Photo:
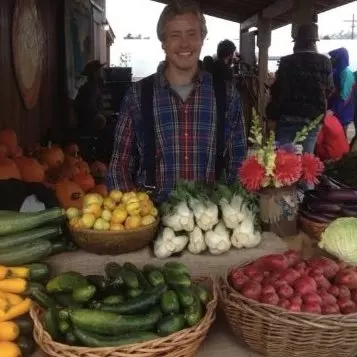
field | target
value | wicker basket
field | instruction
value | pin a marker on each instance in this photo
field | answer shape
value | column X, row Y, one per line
column 112, row 242
column 311, row 228
column 276, row 332
column 181, row 344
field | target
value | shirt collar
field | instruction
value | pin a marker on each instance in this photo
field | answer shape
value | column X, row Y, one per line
column 198, row 79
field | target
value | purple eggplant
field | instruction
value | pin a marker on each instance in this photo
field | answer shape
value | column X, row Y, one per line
column 349, row 213
column 339, row 196
column 323, row 206
column 315, row 217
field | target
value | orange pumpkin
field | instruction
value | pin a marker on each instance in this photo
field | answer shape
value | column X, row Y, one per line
column 52, row 156
column 8, row 138
column 83, row 166
column 85, row 181
column 3, row 150
column 30, row 169
column 69, row 194
column 99, row 169
column 68, row 170
column 72, row 150
column 101, row 189
column 8, row 169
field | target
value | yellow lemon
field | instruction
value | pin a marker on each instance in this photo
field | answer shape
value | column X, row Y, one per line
column 133, row 222
column 107, row 215
column 133, row 208
column 100, row 224
column 92, row 198
column 87, row 220
column 142, row 196
column 120, row 206
column 75, row 223
column 116, row 195
column 145, row 207
column 154, row 212
column 72, row 212
column 93, row 208
column 127, row 196
column 147, row 220
column 117, row 227
column 109, row 203
column 119, row 215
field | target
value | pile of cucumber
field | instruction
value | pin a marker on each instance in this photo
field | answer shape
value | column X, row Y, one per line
column 28, row 237
column 126, row 305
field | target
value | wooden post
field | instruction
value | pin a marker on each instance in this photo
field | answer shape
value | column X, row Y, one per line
column 264, row 42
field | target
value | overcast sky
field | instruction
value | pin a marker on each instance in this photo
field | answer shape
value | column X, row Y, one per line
column 140, row 16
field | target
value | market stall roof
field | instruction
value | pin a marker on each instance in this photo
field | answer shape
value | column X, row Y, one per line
column 242, row 10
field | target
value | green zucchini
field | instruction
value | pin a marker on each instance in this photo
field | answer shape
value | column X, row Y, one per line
column 89, row 339
column 32, row 287
column 142, row 281
column 59, row 246
column 170, row 324
column 25, row 324
column 25, row 253
column 177, row 267
column 42, row 299
column 15, row 222
column 137, row 305
column 84, row 293
column 66, row 282
column 16, row 239
column 39, row 271
column 108, row 323
column 113, row 300
column 51, row 324
column 170, row 303
column 27, row 345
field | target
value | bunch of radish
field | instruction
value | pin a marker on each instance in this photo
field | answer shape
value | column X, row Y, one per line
column 317, row 285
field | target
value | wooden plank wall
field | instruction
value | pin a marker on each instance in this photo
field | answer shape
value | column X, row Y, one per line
column 50, row 110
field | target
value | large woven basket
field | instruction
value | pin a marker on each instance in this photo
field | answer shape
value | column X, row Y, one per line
column 311, row 228
column 113, row 242
column 181, row 344
column 275, row 332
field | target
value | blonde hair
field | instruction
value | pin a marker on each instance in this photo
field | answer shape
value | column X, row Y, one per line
column 180, row 7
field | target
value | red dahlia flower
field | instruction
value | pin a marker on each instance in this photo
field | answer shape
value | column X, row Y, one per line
column 252, row 174
column 287, row 168
column 312, row 168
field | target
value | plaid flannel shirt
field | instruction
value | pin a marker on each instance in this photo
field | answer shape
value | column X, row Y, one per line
column 185, row 136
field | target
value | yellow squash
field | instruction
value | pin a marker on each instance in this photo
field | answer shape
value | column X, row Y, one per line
column 13, row 285
column 10, row 349
column 4, row 272
column 19, row 272
column 9, row 331
column 16, row 311
column 13, row 299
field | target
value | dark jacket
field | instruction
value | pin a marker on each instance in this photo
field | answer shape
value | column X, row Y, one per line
column 302, row 85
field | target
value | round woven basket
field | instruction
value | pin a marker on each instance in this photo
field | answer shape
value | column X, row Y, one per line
column 311, row 228
column 113, row 242
column 275, row 332
column 181, row 344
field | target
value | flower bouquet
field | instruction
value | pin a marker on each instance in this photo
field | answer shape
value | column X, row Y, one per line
column 274, row 171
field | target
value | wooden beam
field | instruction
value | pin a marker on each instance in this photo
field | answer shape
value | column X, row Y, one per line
column 251, row 22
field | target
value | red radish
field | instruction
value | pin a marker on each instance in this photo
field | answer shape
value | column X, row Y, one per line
column 274, row 276
column 284, row 303
column 321, row 281
column 266, row 281
column 251, row 290
column 300, row 268
column 327, row 298
column 285, row 291
column 296, row 299
column 251, row 270
column 268, row 289
column 294, row 307
column 313, row 308
column 238, row 279
column 344, row 292
column 329, row 267
column 279, row 283
column 305, row 285
column 293, row 256
column 312, row 298
column 334, row 290
column 289, row 275
column 330, row 309
column 346, row 305
column 347, row 277
column 270, row 298
column 316, row 271
column 274, row 262
column 354, row 296
column 258, row 277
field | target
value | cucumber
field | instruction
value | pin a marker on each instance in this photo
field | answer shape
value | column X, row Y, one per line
column 98, row 281
column 142, row 281
column 84, row 293
column 66, row 282
column 94, row 340
column 25, row 324
column 194, row 313
column 148, row 267
column 170, row 324
column 32, row 287
column 177, row 267
column 133, row 293
column 17, row 239
column 108, row 323
column 169, row 303
column 15, row 222
column 140, row 304
column 59, row 246
column 39, row 271
column 64, row 326
column 25, row 253
column 63, row 314
column 113, row 300
column 51, row 324
column 71, row 338
column 27, row 345
column 66, row 300
column 203, row 294
column 42, row 299
column 155, row 277
column 113, row 277
column 186, row 296
column 176, row 280
column 131, row 281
